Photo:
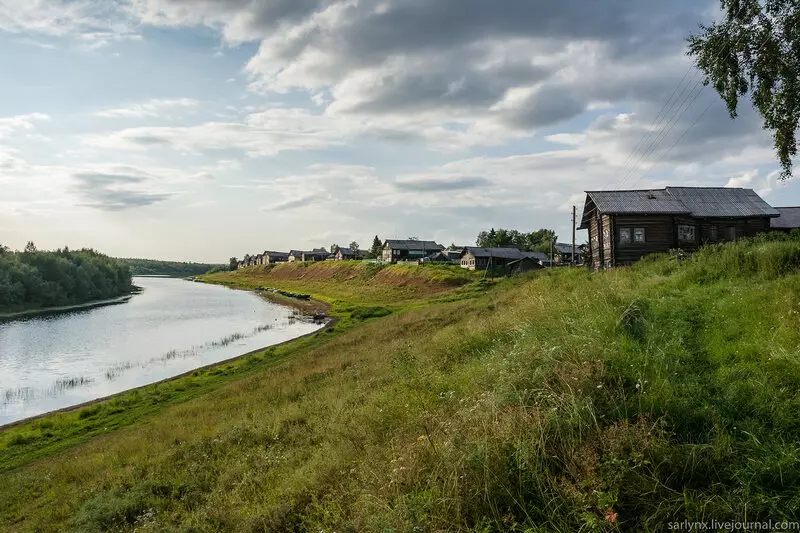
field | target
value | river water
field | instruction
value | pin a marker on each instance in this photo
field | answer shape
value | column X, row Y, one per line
column 173, row 326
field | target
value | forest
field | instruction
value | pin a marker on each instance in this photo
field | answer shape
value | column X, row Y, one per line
column 33, row 279
column 176, row 269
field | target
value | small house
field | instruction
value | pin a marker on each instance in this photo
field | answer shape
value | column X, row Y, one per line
column 295, row 255
column 436, row 257
column 395, row 250
column 475, row 258
column 788, row 220
column 315, row 255
column 270, row 258
column 624, row 226
column 563, row 253
column 525, row 264
column 454, row 255
column 346, row 254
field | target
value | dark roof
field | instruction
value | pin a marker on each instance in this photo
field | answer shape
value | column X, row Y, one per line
column 296, row 253
column 500, row 253
column 348, row 251
column 396, row 244
column 438, row 256
column 316, row 253
column 789, row 219
column 539, row 256
column 711, row 202
column 723, row 202
column 564, row 248
column 277, row 254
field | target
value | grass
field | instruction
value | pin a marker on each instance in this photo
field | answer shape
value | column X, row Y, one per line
column 555, row 401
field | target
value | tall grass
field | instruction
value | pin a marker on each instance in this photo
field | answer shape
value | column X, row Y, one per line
column 557, row 401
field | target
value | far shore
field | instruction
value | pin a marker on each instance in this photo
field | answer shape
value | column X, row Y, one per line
column 47, row 310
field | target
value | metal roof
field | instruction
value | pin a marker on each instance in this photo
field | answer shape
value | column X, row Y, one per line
column 706, row 202
column 500, row 253
column 397, row 244
column 564, row 248
column 789, row 219
column 712, row 202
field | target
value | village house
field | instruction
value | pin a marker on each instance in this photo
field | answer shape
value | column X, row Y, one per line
column 563, row 253
column 270, row 258
column 346, row 254
column 315, row 255
column 395, row 250
column 624, row 226
column 475, row 258
column 788, row 220
column 295, row 255
column 436, row 257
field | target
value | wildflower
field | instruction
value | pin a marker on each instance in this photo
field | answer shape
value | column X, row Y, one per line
column 600, row 386
column 611, row 516
column 421, row 438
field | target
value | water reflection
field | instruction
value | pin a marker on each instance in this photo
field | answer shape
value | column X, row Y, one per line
column 173, row 326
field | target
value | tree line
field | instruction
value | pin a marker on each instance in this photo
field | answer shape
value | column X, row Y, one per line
column 177, row 269
column 33, row 278
column 535, row 241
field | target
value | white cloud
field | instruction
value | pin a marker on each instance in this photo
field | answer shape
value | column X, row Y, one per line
column 93, row 22
column 155, row 107
column 12, row 125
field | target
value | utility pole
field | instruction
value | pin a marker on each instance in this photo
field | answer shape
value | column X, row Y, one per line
column 573, row 235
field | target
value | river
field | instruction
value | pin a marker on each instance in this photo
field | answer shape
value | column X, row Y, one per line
column 173, row 326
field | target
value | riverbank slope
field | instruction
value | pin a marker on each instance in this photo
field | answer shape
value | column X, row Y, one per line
column 559, row 400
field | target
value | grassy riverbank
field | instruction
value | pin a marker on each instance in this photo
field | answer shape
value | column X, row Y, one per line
column 557, row 401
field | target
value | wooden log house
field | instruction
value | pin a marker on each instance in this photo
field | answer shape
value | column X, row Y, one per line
column 624, row 226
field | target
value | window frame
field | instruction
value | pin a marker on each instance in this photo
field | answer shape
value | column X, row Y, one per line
column 636, row 233
column 689, row 228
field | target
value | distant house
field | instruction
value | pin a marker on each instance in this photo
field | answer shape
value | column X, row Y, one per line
column 408, row 250
column 624, row 226
column 295, row 255
column 346, row 254
column 563, row 253
column 315, row 255
column 454, row 255
column 270, row 258
column 475, row 258
column 788, row 220
column 436, row 257
column 525, row 264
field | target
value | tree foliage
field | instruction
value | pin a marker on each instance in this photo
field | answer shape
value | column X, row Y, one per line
column 377, row 246
column 354, row 246
column 35, row 278
column 233, row 264
column 152, row 267
column 535, row 241
column 756, row 50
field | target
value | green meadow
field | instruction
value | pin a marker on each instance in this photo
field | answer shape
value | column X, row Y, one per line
column 559, row 400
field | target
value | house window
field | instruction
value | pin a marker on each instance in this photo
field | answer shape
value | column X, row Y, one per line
column 731, row 233
column 638, row 235
column 686, row 233
column 625, row 236
column 714, row 232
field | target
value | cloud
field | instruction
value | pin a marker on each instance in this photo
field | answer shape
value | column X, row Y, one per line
column 14, row 124
column 441, row 183
column 152, row 108
column 286, row 205
column 93, row 23
column 115, row 192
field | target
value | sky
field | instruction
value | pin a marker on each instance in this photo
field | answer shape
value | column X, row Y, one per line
column 197, row 130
